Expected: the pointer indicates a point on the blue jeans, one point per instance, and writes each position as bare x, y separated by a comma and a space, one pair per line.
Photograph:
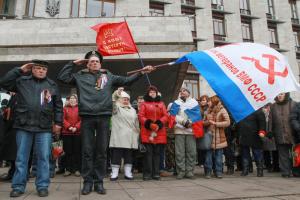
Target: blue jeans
246, 157
42, 145
215, 156
52, 164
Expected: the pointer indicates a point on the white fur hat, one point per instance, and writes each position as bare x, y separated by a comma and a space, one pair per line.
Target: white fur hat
125, 95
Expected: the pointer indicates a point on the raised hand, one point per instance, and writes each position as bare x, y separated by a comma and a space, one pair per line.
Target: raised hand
81, 62
148, 69
27, 67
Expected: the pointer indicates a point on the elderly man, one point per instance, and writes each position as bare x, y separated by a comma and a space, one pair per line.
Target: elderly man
38, 112
95, 87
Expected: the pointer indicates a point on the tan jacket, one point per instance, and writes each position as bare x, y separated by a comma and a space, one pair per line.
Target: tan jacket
221, 117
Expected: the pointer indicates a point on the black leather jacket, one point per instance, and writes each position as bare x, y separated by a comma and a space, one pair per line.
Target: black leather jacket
39, 103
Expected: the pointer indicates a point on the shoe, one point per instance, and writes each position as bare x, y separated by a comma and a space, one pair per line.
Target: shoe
250, 168
16, 193
114, 172
164, 174
127, 172
180, 175
156, 177
260, 172
207, 176
52, 175
285, 175
219, 176
67, 173
98, 187
6, 177
245, 172
43, 192
189, 175
87, 188
60, 171
146, 178
230, 171
77, 173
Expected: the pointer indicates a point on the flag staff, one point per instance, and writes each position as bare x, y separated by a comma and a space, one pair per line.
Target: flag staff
141, 61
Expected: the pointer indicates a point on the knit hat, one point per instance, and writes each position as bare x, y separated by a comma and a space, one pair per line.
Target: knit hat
124, 95
183, 88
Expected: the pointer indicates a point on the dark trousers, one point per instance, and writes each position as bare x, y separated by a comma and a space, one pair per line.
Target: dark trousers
201, 156
246, 157
229, 156
72, 148
285, 160
118, 153
94, 142
152, 160
271, 160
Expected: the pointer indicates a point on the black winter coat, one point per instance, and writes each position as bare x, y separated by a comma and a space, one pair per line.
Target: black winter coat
295, 122
39, 103
248, 129
92, 100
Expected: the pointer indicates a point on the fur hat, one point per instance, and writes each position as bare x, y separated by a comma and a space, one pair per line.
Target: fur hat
124, 95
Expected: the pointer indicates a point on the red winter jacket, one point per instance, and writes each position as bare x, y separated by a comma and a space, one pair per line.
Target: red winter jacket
153, 110
71, 119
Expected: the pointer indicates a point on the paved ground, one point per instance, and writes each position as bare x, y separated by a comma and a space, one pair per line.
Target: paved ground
270, 187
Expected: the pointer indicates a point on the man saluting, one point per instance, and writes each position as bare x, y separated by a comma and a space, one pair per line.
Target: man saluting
39, 106
95, 88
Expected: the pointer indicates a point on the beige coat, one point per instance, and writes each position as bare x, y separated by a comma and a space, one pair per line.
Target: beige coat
125, 127
221, 117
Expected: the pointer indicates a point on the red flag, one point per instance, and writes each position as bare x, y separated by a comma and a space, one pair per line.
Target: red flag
114, 39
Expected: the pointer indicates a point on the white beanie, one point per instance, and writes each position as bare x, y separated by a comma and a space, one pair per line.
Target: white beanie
124, 95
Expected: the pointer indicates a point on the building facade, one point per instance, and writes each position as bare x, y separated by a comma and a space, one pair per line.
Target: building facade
59, 30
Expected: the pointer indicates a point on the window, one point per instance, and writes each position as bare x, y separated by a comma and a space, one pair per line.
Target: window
7, 7
273, 37
271, 9
156, 9
217, 2
219, 27
190, 12
75, 8
188, 2
244, 7
297, 40
30, 5
193, 87
294, 9
98, 8
247, 32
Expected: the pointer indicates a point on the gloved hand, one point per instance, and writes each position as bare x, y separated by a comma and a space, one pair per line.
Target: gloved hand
154, 127
188, 124
147, 124
269, 135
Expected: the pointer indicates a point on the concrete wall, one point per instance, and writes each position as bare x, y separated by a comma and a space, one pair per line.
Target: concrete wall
63, 39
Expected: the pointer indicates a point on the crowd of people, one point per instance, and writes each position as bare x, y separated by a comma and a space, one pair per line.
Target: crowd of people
104, 131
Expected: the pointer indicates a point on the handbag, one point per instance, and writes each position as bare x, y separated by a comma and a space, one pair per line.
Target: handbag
204, 143
296, 155
57, 149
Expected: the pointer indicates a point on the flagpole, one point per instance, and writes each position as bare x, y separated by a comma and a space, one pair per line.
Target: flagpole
140, 58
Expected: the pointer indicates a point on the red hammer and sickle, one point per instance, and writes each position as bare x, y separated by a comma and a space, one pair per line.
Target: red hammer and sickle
270, 71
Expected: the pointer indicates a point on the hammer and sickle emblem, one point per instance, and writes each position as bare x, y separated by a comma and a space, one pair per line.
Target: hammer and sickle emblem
270, 71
